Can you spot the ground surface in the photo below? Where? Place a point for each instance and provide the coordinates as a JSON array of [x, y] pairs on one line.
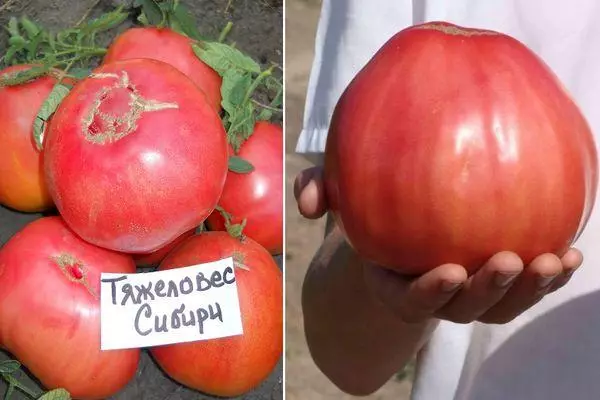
[[303, 379], [257, 31]]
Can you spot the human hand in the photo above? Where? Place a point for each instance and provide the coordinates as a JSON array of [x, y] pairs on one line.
[[499, 291]]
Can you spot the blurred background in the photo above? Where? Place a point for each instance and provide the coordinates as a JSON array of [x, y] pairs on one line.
[[303, 378]]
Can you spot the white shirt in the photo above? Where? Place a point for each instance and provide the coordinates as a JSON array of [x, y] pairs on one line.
[[552, 351]]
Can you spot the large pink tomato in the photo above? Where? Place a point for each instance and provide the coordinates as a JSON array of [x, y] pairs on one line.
[[166, 45], [135, 156], [258, 195], [453, 144], [50, 310], [230, 366], [22, 185]]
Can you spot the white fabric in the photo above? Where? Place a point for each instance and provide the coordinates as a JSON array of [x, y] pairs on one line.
[[552, 352]]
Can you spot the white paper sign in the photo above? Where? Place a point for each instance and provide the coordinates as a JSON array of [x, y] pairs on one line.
[[199, 302]]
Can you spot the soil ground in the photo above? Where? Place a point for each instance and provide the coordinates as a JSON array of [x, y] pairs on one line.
[[258, 31], [303, 379]]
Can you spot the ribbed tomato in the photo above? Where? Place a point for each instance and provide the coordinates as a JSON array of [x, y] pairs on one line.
[[22, 184], [166, 45], [50, 310], [234, 365], [258, 195], [135, 156], [452, 144]]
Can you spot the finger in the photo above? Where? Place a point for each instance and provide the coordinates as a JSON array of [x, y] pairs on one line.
[[484, 289], [534, 282], [571, 261], [310, 193], [416, 300]]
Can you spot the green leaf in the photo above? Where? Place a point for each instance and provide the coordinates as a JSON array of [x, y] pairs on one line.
[[265, 115], [56, 394], [9, 367], [239, 165], [56, 96], [32, 47], [106, 21], [30, 27], [23, 76], [241, 125], [233, 89], [185, 21], [17, 41], [143, 20], [13, 26], [153, 12], [10, 54], [222, 57], [52, 40]]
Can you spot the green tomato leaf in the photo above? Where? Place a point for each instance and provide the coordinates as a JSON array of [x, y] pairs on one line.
[[8, 367], [13, 27], [142, 19], [23, 76], [233, 89], [30, 27], [17, 41], [241, 125], [222, 57], [106, 21], [239, 165], [10, 54], [265, 115], [153, 12], [33, 46], [183, 20], [56, 96], [56, 394]]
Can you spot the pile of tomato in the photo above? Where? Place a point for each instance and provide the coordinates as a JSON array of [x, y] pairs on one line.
[[134, 172]]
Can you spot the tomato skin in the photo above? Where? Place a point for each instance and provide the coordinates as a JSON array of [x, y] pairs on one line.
[[155, 258], [231, 366], [51, 323], [163, 177], [257, 196], [166, 45], [450, 147], [22, 185]]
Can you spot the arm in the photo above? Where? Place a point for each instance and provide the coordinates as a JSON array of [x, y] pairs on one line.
[[353, 338]]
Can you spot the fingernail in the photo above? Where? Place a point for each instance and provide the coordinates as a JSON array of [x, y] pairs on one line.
[[503, 280], [545, 281], [449, 287]]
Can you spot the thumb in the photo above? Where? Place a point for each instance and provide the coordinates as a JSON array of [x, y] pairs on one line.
[[310, 193]]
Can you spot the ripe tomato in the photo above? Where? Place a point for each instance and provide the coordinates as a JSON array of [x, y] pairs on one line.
[[156, 257], [453, 144], [50, 310], [22, 185], [168, 46], [135, 156], [234, 365], [257, 196]]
